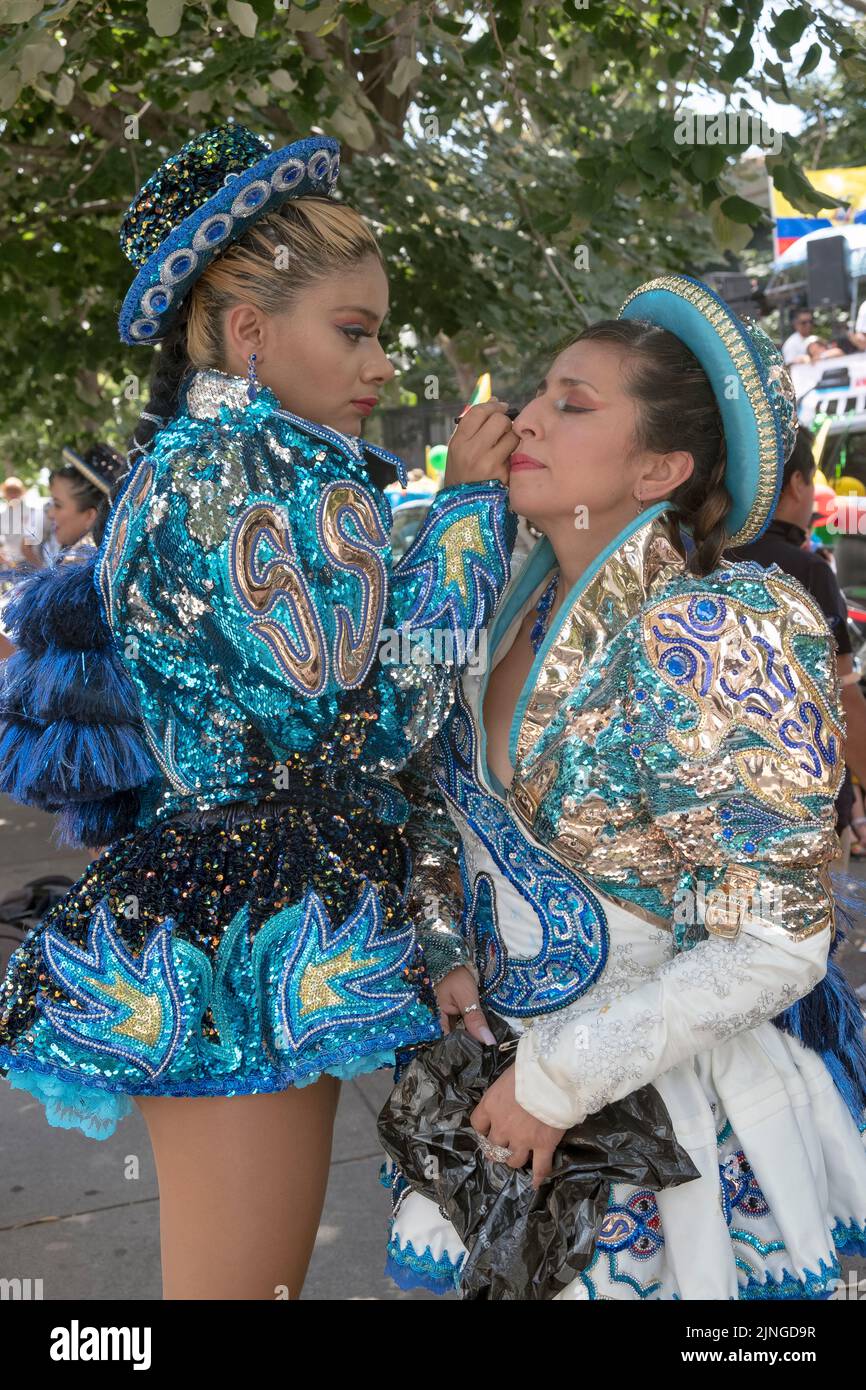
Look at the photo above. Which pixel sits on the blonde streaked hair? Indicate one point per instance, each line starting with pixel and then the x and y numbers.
pixel 305 240
pixel 278 257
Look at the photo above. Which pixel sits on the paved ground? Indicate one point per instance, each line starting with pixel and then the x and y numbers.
pixel 70 1214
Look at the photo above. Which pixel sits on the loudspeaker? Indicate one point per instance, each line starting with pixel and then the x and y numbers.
pixel 827 277
pixel 736 290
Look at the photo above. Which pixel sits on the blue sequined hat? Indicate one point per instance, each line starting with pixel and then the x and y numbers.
pixel 197 203
pixel 751 384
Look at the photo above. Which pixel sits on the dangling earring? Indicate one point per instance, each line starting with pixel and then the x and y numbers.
pixel 640 504
pixel 252 379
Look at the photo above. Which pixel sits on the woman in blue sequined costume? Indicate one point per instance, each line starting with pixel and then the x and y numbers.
pixel 206 698
pixel 640 792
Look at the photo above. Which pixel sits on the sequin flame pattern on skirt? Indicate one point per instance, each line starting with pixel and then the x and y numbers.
pixel 217 960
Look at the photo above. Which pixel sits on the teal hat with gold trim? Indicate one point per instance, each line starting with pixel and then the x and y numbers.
pixel 197 203
pixel 750 381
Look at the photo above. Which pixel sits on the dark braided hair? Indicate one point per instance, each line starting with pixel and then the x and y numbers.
pixel 676 410
pixel 171 366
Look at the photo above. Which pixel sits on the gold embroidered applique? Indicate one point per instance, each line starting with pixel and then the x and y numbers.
pixel 737 665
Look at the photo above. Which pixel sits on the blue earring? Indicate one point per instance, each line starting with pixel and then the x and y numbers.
pixel 252 379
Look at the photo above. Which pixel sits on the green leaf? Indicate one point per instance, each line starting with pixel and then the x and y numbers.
pixel 650 157
pixel 45 55
pixel 794 186
pixel 708 161
pixel 737 63
pixel 404 75
pixel 351 125
pixel 811 60
pixel 484 50
pixel 739 210
pixel 20 11
pixel 729 234
pixel 509 14
pixel 448 24
pixel 244 16
pixel 789 27
pixel 164 16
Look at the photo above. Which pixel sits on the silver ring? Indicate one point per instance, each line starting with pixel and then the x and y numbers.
pixel 470 1007
pixel 495 1152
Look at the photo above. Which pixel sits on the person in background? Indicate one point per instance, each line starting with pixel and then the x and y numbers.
pixel 18 545
pixel 858 333
pixel 784 544
pixel 818 347
pixel 794 347
pixel 77 511
pixel 49 546
pixel 847 339
pixel 858 823
pixel 81 496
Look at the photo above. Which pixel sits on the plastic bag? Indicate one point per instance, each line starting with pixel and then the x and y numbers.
pixel 521 1244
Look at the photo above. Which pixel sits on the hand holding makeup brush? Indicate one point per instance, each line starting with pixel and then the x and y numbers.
pixel 481 445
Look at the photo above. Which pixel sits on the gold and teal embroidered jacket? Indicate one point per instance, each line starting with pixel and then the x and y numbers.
pixel 246 578
pixel 677 747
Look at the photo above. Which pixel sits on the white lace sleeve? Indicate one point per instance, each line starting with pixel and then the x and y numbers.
pixel 570 1064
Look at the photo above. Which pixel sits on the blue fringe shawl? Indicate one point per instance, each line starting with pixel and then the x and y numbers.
pixel 71 734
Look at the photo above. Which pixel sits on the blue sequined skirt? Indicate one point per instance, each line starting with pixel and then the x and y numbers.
pixel 246 951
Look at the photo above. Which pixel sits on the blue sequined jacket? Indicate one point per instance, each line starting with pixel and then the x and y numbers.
pixel 246 596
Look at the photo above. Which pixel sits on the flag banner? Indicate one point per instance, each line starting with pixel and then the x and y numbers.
pixel 790 224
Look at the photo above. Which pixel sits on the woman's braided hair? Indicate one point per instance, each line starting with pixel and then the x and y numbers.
pixel 676 410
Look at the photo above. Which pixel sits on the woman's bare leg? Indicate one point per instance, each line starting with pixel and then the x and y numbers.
pixel 242 1183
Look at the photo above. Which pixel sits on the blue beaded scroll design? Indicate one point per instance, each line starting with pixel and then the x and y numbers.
pixel 542 612
pixel 743 1198
pixel 574 945
pixel 633 1225
pixel 485 938
pixel 460 559
pixel 129 503
pixel 139 1011
pixel 259 584
pixel 265 573
pixel 720 653
pixel 631 1229
pixel 317 978
pixel 411 1269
